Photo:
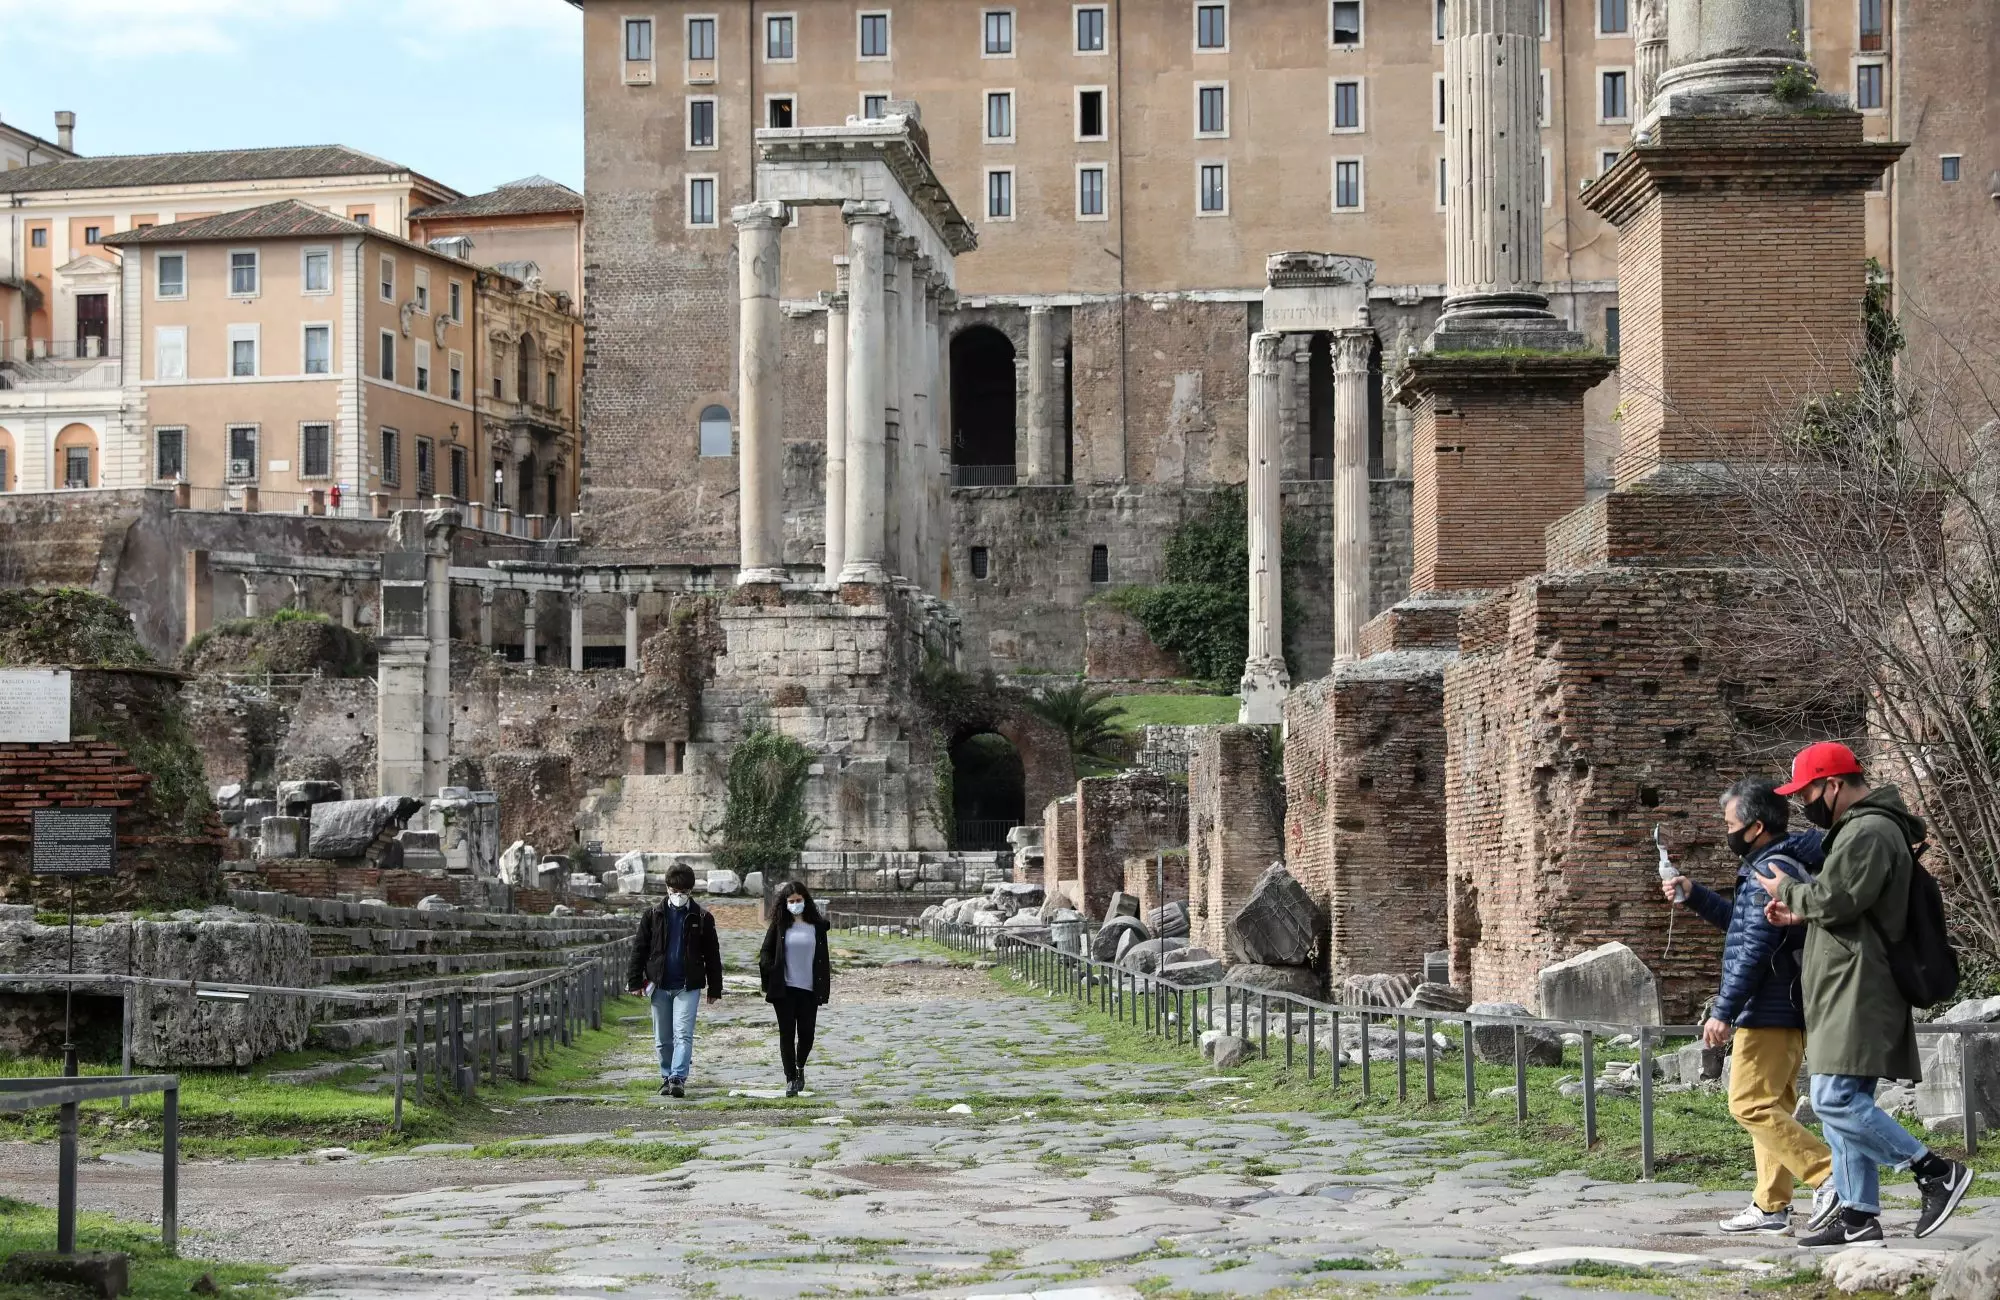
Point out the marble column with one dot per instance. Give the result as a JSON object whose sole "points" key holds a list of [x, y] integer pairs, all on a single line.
{"points": [[1351, 350], [576, 630], [528, 647], [917, 383], [944, 306], [250, 609], [632, 630], [347, 605], [937, 531], [439, 529], [1493, 208], [760, 387], [894, 281], [836, 423], [1649, 60], [1265, 681], [866, 394], [486, 616], [1041, 379], [1731, 47]]}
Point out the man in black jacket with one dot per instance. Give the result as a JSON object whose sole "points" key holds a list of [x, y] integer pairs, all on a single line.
{"points": [[1760, 1008], [675, 956]]}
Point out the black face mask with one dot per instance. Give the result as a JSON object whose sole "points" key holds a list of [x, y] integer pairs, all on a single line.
{"points": [[1739, 841], [1819, 811]]}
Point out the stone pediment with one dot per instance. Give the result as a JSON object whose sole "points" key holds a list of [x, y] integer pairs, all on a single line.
{"points": [[88, 267]]}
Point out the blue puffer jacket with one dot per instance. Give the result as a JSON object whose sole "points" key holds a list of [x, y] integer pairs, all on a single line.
{"points": [[1760, 961]]}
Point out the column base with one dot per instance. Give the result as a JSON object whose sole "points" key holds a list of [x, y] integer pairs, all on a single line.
{"points": [[866, 573], [747, 577], [1264, 687]]}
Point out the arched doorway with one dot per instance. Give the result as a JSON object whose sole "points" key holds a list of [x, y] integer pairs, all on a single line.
{"points": [[77, 457], [982, 408], [989, 791]]}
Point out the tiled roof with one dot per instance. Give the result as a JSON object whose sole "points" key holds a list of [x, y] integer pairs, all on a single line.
{"points": [[297, 162], [285, 219], [508, 201]]}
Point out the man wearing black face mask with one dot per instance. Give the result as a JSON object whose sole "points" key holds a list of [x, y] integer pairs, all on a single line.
{"points": [[1760, 1009], [1858, 1027]]}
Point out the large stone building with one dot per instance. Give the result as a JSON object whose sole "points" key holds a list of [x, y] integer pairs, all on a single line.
{"points": [[1129, 168]]}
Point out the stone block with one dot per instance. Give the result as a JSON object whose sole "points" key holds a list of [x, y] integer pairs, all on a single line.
{"points": [[1433, 996], [1608, 984], [1277, 925], [295, 797], [347, 829], [1208, 970], [1121, 904], [1300, 981], [280, 837], [1145, 956], [1104, 946], [1169, 922], [1974, 1274], [1494, 1044], [724, 882], [1958, 1058], [101, 1273]]}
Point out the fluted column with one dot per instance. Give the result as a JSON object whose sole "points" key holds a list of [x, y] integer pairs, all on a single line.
{"points": [[1493, 209], [1731, 47], [1649, 48], [894, 471], [1265, 681], [760, 380], [867, 394], [917, 451], [1351, 350], [1041, 379], [836, 423], [937, 528]]}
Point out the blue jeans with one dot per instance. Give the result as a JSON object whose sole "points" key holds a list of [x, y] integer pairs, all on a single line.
{"points": [[673, 1030], [1862, 1136]]}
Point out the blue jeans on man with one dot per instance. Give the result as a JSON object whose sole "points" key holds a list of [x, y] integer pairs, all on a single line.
{"points": [[673, 1031], [1863, 1136]]}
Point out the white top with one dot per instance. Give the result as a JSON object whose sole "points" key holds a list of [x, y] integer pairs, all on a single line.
{"points": [[801, 941]]}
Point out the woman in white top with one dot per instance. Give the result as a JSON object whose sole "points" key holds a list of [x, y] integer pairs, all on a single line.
{"points": [[797, 976]]}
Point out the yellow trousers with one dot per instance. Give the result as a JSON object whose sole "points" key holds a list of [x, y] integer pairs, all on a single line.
{"points": [[1763, 1089]]}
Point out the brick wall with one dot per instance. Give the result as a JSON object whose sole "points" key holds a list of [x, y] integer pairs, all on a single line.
{"points": [[1364, 809], [1235, 826], [1118, 817], [1059, 842], [1144, 876], [1116, 648], [318, 878]]}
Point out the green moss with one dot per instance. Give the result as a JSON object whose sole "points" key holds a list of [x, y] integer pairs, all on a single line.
{"points": [[67, 625]]}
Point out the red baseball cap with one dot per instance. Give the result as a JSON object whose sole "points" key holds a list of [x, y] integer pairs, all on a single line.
{"points": [[1817, 762]]}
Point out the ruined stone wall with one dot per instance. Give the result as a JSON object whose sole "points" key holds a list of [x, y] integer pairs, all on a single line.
{"points": [[1364, 809], [1235, 826], [1059, 842], [1157, 878], [1117, 648], [1118, 817]]}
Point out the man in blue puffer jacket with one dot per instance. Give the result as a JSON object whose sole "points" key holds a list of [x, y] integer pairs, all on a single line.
{"points": [[1762, 1005]]}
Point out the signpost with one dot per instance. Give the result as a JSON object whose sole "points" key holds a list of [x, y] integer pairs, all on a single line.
{"points": [[72, 842]]}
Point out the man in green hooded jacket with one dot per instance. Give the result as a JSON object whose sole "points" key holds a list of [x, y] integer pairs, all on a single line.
{"points": [[1858, 1027]]}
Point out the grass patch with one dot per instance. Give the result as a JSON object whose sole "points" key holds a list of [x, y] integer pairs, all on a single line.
{"points": [[653, 1157], [1345, 1264], [1135, 711], [156, 1275]]}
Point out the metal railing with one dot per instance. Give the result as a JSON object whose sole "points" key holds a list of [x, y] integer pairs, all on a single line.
{"points": [[33, 1094], [983, 475], [1168, 1009], [90, 348], [468, 1027]]}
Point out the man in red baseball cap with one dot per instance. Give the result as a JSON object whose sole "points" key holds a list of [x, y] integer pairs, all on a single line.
{"points": [[1858, 1026]]}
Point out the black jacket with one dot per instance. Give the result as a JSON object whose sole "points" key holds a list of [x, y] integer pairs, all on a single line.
{"points": [[701, 954], [1760, 962], [771, 963]]}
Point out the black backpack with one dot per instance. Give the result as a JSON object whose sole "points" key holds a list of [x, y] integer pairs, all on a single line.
{"points": [[1923, 962]]}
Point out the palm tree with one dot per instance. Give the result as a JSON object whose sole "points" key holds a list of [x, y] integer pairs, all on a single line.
{"points": [[1084, 715]]}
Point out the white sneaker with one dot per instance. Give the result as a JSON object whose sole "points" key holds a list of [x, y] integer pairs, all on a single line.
{"points": [[1826, 1204], [1771, 1223]]}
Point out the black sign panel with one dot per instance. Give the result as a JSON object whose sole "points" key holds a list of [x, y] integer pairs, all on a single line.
{"points": [[76, 841]]}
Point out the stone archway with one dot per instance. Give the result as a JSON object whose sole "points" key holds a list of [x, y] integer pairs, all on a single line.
{"points": [[78, 458], [983, 433]]}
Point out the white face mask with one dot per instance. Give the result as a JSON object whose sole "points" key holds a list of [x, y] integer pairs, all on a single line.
{"points": [[677, 899], [797, 907]]}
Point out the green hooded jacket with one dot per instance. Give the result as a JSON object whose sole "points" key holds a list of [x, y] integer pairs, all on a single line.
{"points": [[1856, 1021]]}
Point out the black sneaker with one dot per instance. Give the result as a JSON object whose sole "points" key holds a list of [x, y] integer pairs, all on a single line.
{"points": [[666, 1087], [1844, 1231], [1941, 1196], [792, 1086], [679, 1087]]}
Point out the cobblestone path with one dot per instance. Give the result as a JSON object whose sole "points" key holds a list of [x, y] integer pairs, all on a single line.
{"points": [[878, 1187]]}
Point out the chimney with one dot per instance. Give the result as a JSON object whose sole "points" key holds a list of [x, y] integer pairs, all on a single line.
{"points": [[66, 130]]}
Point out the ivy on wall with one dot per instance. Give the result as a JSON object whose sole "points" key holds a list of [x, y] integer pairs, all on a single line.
{"points": [[764, 824]]}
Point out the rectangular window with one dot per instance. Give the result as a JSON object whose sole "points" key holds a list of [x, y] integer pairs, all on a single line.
{"points": [[76, 467], [1949, 166], [387, 280], [169, 454], [1611, 331], [315, 450], [1100, 563], [242, 274], [319, 350], [426, 468], [1090, 115], [1213, 184], [242, 351], [1090, 29], [457, 301], [92, 234], [1542, 99], [1871, 24], [1211, 110], [460, 474], [701, 200], [982, 563], [171, 273], [874, 36], [170, 352], [363, 218], [38, 237], [1346, 22], [1868, 86], [1613, 18], [1347, 106], [638, 40], [1347, 194], [1000, 194], [701, 124], [392, 458], [386, 361], [423, 366], [1438, 24], [457, 373], [999, 115], [242, 439], [318, 270], [780, 111], [1542, 19], [423, 286], [549, 391], [999, 34], [1090, 191], [1437, 102], [1606, 160], [1548, 179], [701, 38], [1444, 184], [874, 106], [1614, 102], [780, 34], [1211, 27]]}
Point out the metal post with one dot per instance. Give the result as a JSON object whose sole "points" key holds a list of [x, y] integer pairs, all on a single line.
{"points": [[1430, 1062], [1263, 1026], [417, 1063], [66, 1180], [402, 1029], [1333, 1025], [1402, 1061], [1471, 1080], [1589, 1091], [170, 1171], [1646, 1102], [1367, 1054], [1520, 1076], [519, 1045], [1288, 1033], [125, 1039], [1965, 1097], [1312, 1041]]}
